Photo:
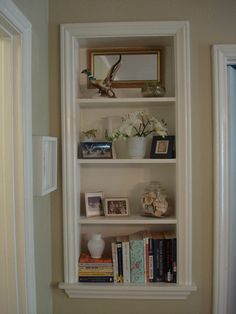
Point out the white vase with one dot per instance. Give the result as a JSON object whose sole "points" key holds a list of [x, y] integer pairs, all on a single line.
{"points": [[96, 246], [136, 147]]}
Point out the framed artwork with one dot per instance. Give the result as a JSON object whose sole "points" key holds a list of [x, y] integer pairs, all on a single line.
{"points": [[163, 147], [115, 207], [94, 204], [96, 150]]}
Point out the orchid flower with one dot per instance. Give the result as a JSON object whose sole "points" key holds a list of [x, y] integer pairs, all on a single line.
{"points": [[139, 124]]}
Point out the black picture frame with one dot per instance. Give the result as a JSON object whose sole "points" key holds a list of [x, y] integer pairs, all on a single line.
{"points": [[95, 150], [163, 147]]}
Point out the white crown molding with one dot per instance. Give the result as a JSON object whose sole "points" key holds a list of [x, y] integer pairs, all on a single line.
{"points": [[222, 55]]}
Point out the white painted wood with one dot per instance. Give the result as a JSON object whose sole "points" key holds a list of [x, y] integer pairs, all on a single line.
{"points": [[139, 220], [8, 265], [222, 55], [232, 195], [128, 291], [127, 161], [149, 100], [44, 164], [183, 156], [72, 35], [19, 220]]}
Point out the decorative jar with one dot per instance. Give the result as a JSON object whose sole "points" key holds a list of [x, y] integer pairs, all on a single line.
{"points": [[154, 200], [96, 245]]}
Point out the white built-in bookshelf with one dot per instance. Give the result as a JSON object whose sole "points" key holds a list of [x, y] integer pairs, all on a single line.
{"points": [[121, 176]]}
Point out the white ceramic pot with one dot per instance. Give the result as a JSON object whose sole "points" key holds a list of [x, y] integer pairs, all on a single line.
{"points": [[137, 147], [96, 246]]}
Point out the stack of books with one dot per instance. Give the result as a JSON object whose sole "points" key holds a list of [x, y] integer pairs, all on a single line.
{"points": [[95, 269], [145, 257]]}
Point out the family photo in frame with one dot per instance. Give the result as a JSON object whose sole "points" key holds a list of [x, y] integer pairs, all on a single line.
{"points": [[115, 207]]}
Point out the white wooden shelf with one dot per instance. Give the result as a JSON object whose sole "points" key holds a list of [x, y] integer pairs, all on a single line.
{"points": [[151, 291], [127, 161], [134, 220], [86, 102], [135, 100]]}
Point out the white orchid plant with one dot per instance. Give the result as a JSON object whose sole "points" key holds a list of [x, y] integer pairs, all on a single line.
{"points": [[139, 124]]}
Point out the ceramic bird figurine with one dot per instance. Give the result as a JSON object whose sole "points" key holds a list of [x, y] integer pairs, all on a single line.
{"points": [[104, 86]]}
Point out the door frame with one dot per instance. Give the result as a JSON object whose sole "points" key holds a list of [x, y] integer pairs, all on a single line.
{"points": [[26, 286], [222, 56]]}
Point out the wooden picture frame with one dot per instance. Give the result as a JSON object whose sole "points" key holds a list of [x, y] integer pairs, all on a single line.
{"points": [[94, 204], [163, 147], [96, 150], [116, 207], [146, 60]]}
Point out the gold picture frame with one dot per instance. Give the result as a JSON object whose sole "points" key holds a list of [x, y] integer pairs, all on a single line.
{"points": [[138, 66]]}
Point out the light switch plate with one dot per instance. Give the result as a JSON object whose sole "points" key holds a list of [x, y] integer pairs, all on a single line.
{"points": [[44, 164]]}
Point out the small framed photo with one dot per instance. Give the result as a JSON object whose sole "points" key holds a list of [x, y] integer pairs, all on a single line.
{"points": [[163, 147], [94, 204], [96, 150], [115, 207]]}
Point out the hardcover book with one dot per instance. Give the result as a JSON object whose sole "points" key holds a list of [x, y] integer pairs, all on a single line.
{"points": [[170, 257], [119, 261], [137, 258], [158, 256], [126, 259]]}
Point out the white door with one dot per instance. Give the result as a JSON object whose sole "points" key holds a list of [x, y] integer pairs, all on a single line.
{"points": [[17, 274], [232, 186]]}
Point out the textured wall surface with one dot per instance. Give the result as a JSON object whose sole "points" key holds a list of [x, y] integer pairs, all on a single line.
{"points": [[37, 13]]}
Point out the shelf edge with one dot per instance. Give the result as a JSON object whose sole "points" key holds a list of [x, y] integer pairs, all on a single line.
{"points": [[114, 291], [91, 221], [127, 161]]}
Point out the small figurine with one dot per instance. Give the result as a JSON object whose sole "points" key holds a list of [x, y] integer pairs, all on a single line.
{"points": [[104, 86], [89, 135]]}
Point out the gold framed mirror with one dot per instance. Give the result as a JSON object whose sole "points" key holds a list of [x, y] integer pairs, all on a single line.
{"points": [[138, 65]]}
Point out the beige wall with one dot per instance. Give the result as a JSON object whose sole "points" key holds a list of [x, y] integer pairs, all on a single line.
{"points": [[37, 13], [211, 21]]}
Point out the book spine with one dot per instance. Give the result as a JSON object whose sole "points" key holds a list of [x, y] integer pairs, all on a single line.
{"points": [[96, 279], [114, 261], [100, 269], [158, 260], [126, 262], [161, 258], [96, 273], [95, 265], [150, 258], [168, 261], [119, 262], [174, 253], [146, 260], [137, 261]]}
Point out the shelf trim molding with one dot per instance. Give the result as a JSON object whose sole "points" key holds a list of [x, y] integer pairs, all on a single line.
{"points": [[70, 36], [114, 291], [127, 161], [137, 220]]}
